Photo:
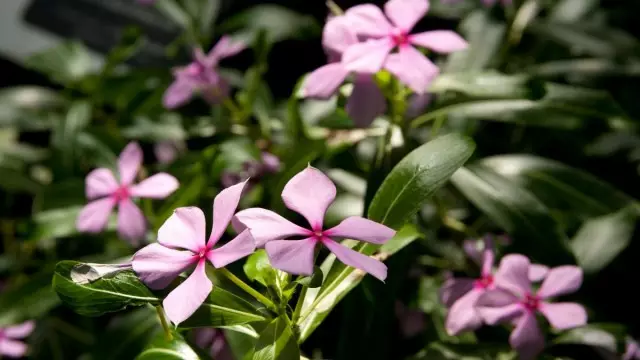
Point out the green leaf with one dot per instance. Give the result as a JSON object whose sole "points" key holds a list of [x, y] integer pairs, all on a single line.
{"points": [[173, 12], [25, 106], [416, 177], [66, 63], [489, 84], [127, 335], [517, 211], [258, 268], [601, 239], [222, 309], [607, 336], [277, 342], [13, 180], [28, 300], [163, 349], [65, 135], [313, 281], [58, 223]]}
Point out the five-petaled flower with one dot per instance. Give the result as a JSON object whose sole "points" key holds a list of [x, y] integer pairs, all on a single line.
{"points": [[201, 76], [513, 301], [106, 192], [310, 193], [160, 263], [9, 344], [393, 31]]}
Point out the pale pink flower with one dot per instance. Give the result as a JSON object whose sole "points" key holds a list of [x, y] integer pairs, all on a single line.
{"points": [[252, 170], [10, 346], [309, 193], [214, 341], [201, 76], [106, 192], [167, 151], [181, 245], [392, 31], [632, 351], [411, 320], [513, 301]]}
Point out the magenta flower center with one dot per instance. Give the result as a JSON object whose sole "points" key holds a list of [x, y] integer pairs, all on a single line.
{"points": [[531, 302], [202, 253], [484, 282], [120, 194], [400, 38]]}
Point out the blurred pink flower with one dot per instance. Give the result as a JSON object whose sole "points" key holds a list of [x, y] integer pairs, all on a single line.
{"points": [[167, 151], [513, 301], [632, 351], [160, 263], [102, 187], [309, 193], [214, 341], [411, 320], [392, 31], [9, 344], [252, 170], [201, 76]]}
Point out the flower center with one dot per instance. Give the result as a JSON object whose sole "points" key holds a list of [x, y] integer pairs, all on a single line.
{"points": [[484, 282], [120, 194], [202, 253], [400, 38], [531, 302]]}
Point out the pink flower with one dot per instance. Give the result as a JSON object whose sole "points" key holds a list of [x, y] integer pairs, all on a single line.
{"points": [[167, 151], [159, 264], [9, 346], [366, 101], [213, 340], [201, 76], [411, 320], [252, 170], [393, 31], [632, 351], [309, 193], [106, 192], [515, 302]]}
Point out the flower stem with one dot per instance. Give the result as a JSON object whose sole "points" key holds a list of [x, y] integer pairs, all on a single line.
{"points": [[163, 321], [296, 311], [248, 289], [334, 8]]}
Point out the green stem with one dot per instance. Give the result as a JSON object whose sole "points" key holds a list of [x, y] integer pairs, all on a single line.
{"points": [[334, 8], [163, 321], [437, 125], [248, 289], [296, 312]]}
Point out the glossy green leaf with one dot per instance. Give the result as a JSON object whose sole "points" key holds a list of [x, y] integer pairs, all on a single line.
{"points": [[65, 134], [58, 223], [163, 349], [28, 300], [489, 84], [516, 211], [171, 10], [601, 239], [66, 63], [127, 335], [416, 177], [313, 281], [607, 336], [25, 107], [277, 342], [258, 268]]}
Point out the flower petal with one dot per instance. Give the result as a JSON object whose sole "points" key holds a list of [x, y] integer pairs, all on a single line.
{"points": [[225, 47], [100, 182], [241, 246], [157, 265], [561, 280], [265, 225], [488, 258], [527, 338], [497, 306], [184, 229], [337, 35], [224, 206], [20, 331], [406, 13], [513, 274], [368, 20], [94, 216], [185, 299], [158, 186], [216, 91], [367, 57], [455, 288], [366, 101], [178, 93], [359, 228], [292, 256], [440, 41], [12, 348], [324, 81], [462, 316], [538, 272], [129, 163], [132, 224], [309, 193], [564, 316], [357, 260], [412, 68]]}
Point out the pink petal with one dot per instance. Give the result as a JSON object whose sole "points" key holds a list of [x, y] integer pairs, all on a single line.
{"points": [[527, 338], [564, 316], [455, 288], [185, 299], [323, 82], [178, 93], [366, 101], [132, 224], [440, 41], [94, 216], [367, 57], [292, 256], [11, 348], [359, 228], [561, 280], [462, 316], [338, 35], [184, 229], [265, 225], [498, 306], [129, 163], [224, 206], [215, 92], [20, 331], [406, 13], [513, 274], [158, 186], [538, 272], [225, 47], [488, 259], [412, 68], [309, 193], [368, 20], [241, 246], [100, 182], [157, 265], [357, 260]]}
